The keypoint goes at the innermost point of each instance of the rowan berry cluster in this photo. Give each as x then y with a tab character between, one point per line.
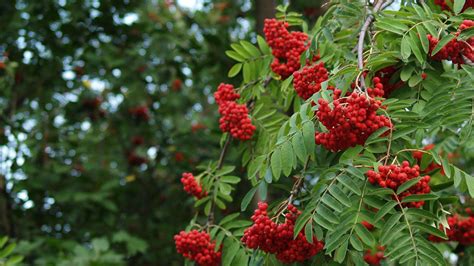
374	258
384	77
287	47
461	229
140	112
275	238
393	176
234	117
350	122
307	81
418	155
191	186
197	246
444	5
458	51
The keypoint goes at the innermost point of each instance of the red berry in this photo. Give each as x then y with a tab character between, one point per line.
197	246
350	122
308	80
234	117
192	187
393	176
461	229
287	47
275	238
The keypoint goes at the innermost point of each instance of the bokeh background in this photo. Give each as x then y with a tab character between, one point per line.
103	105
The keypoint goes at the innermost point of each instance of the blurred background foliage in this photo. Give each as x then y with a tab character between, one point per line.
103	105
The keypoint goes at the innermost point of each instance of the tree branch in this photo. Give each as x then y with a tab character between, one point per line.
360	45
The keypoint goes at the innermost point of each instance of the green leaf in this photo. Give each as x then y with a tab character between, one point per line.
308	231
262	190
299	147
429	229
287	158
387	207
229	251
405	47
406	72
340	254
275	163
350	154
247	198
356	244
7	250
364	234
308	134
331	202
458	6
3	241
229	218
14	260
340	196
241	258
348	183
414	80
442	43
325	212
230	179
421	213
234	55
250	48
408	184
235	70
301	222
425	44
420	197
263	45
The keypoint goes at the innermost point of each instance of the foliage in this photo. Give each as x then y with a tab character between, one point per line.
433	104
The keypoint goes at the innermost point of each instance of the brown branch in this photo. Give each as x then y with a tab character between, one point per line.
360	45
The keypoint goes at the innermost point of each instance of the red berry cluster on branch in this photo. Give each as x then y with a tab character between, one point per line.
393	176
384	76
308	80
275	238
458	51
418	155
192	187
374	258
287	47
461	229
234	117
444	5
140	112
197	246
350	122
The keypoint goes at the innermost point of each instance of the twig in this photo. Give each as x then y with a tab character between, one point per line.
223	152
220	163
363	31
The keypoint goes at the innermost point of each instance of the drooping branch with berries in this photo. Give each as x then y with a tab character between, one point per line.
354	148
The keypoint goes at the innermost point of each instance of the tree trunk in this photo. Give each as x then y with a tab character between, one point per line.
264	9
